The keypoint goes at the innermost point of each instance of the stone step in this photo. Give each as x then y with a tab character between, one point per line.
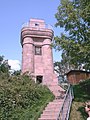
56	88
50	117
50	82
58	101
52	109
55	81
58	96
55	102
47	118
53	105
56	92
53	84
49	112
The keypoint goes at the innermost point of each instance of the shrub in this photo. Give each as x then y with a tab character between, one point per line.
21	98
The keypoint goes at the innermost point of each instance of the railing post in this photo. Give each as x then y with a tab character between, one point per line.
67	100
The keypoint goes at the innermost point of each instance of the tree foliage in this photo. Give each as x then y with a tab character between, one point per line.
74	17
63	66
4	66
17	72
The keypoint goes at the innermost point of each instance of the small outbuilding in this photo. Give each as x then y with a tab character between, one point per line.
75	76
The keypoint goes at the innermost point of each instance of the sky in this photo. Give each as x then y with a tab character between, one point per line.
13	14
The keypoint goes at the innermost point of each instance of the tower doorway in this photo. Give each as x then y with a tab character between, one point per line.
39	79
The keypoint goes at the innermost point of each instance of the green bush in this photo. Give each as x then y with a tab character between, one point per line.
21	98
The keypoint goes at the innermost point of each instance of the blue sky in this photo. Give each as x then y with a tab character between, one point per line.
13	13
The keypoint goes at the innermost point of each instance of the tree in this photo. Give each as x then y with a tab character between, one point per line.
74	17
63	66
17	72
4	67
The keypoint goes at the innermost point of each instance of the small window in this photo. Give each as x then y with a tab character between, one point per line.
38	50
36	24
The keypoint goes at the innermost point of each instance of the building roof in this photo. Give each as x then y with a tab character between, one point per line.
76	71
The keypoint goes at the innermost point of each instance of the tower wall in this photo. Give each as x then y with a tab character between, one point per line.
27	55
47	60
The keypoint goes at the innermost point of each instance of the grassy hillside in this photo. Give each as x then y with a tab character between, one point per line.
82	94
21	98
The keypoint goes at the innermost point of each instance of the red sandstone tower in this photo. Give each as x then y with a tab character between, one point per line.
37	56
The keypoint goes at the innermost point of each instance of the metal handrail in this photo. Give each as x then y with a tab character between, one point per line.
69	92
70	102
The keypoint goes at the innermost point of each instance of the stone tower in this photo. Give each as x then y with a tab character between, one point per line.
37	58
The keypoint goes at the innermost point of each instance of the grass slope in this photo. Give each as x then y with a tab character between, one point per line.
21	98
81	94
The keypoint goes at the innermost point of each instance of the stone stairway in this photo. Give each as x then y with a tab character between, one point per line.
58	92
53	108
